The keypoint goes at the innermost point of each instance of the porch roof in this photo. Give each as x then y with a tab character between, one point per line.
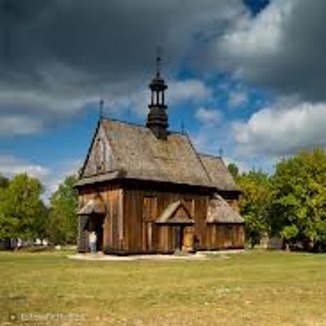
92	207
176	213
219	211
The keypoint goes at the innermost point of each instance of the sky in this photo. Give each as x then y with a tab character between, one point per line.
246	78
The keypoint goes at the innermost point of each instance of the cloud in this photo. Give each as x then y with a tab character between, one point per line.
19	125
282	49
282	129
237	99
51	178
209	118
188	90
56	55
11	165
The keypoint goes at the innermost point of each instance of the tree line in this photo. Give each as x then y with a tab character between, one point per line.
290	203
25	216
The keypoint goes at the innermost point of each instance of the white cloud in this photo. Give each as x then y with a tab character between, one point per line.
282	48
282	129
209	117
188	90
19	125
237	99
51	178
64	168
11	165
27	112
257	36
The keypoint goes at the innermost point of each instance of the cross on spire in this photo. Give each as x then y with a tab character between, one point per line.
158	60
101	108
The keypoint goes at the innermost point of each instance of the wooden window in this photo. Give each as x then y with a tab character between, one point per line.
99	155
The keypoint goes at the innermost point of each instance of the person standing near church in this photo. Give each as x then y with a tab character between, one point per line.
92	242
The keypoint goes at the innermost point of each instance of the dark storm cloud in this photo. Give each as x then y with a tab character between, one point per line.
55	52
94	41
283	49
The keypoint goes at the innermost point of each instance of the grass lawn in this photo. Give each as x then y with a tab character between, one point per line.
250	288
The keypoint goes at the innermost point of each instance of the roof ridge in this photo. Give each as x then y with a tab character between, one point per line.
134	124
210	155
124	122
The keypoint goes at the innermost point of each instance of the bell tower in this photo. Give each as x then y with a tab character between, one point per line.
157	119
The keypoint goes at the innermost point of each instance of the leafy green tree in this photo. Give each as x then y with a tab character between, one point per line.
4	182
22	212
300	199
62	218
255	204
234	170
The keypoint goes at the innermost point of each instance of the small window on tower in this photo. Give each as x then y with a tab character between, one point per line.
99	155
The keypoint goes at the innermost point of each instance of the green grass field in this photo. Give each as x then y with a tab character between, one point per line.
251	288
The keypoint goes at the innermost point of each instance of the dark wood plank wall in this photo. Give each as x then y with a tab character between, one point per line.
224	236
129	225
141	234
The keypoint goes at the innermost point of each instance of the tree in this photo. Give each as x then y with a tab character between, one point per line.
300	199
234	170
22	212
4	182
62	218
255	204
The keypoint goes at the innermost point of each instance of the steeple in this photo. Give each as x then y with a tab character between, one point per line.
157	119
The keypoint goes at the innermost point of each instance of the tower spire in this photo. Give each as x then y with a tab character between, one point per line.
157	119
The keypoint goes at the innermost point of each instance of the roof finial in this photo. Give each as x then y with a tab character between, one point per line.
101	108
221	151
182	127
158	60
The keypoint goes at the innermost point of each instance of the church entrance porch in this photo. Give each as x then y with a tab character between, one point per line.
91	219
96	224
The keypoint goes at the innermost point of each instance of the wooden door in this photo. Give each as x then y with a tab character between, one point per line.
178	237
188	239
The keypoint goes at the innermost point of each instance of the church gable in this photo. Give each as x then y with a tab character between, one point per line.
100	157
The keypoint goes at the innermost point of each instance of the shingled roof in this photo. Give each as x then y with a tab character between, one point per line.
138	154
218	172
219	211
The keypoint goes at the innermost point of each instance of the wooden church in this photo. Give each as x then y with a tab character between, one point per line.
145	189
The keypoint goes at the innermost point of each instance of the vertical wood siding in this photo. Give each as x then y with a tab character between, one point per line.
142	234
129	225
